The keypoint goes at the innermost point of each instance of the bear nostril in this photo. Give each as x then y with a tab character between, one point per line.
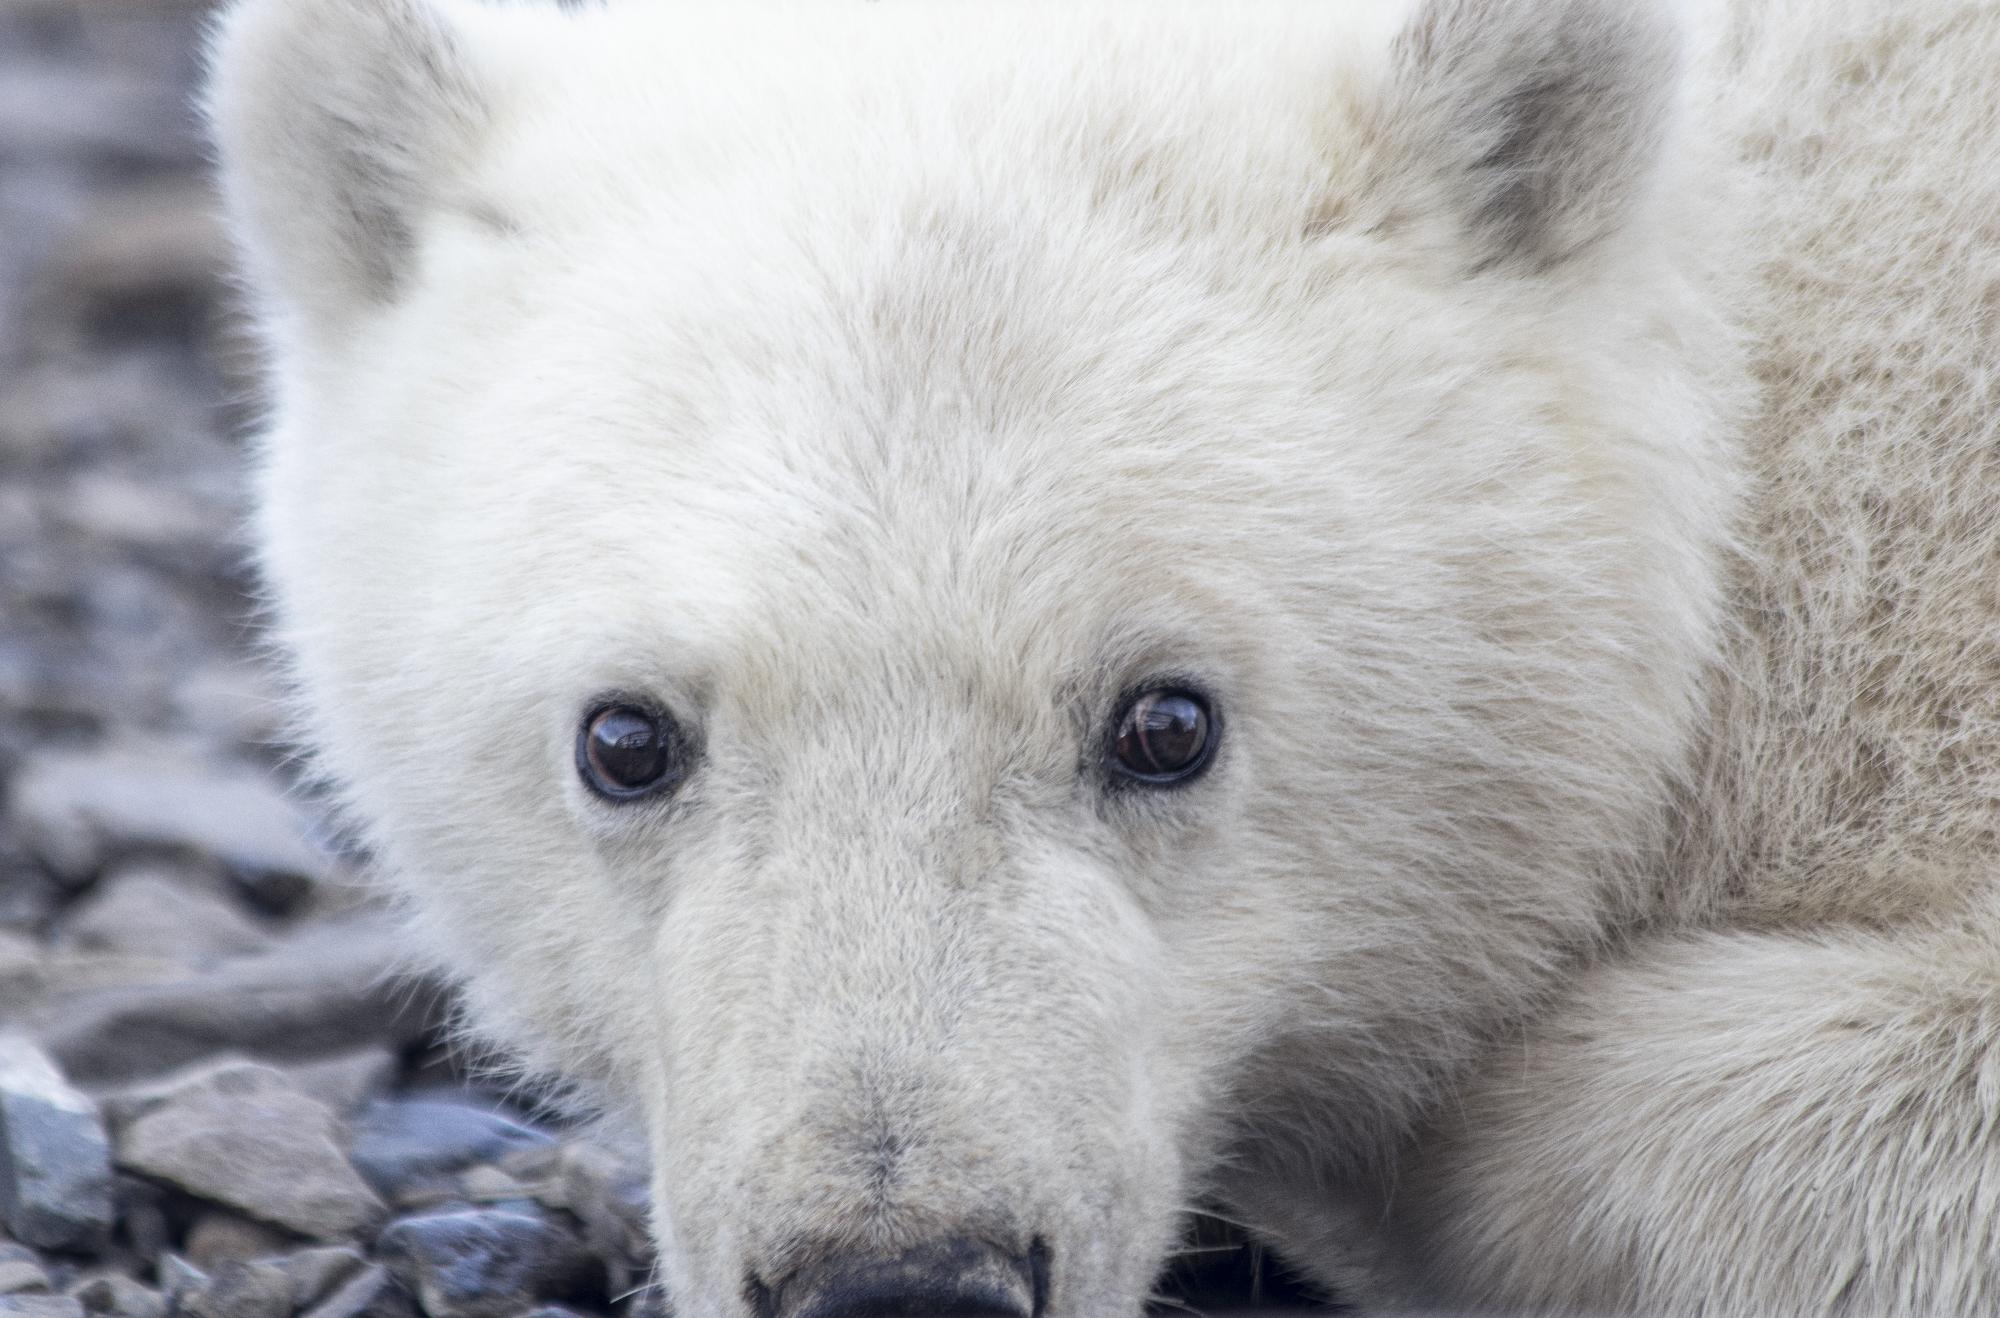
954	1279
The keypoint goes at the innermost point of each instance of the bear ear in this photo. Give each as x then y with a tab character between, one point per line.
339	124
1542	118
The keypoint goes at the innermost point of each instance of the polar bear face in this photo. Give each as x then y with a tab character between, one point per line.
985	617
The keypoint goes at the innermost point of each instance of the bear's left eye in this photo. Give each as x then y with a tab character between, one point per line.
623	752
1163	736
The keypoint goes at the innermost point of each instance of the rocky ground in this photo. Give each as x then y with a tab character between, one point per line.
217	1096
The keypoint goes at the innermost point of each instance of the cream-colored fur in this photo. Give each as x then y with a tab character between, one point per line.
1559	436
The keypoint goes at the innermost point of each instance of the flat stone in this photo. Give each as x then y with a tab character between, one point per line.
370	1293
37	981
143	910
487	1263
218	1237
317	1273
114	1295
21	1272
40	1306
76	809
331	988
490	1185
400	1144
145	241
239	1290
345	1081
231	699
243	1137
55	1163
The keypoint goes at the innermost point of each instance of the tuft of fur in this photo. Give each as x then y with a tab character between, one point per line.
1560	437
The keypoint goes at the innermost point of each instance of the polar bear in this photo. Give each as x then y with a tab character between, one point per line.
1000	620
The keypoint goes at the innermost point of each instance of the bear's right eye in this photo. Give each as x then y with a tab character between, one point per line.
624	752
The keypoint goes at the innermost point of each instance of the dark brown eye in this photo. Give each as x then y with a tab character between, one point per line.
623	751
1164	736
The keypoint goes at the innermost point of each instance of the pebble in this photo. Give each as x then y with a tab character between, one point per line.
113	1295
55	1163
240	1135
238	1290
20	1270
75	809
330	988
143	1218
40	1306
28	893
370	1293
38	982
344	1081
412	1143
149	909
317	1273
487	1263
218	1237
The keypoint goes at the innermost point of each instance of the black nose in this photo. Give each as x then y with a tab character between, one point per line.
954	1279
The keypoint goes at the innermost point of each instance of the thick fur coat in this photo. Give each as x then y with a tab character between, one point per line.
1559	440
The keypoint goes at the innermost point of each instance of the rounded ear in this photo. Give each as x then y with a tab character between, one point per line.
1542	118
339	124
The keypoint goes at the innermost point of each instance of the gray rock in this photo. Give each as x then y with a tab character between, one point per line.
142	910
40	1306
330	988
29	895
400	1144
370	1293
217	1238
114	1295
37	981
484	1263
234	700
243	1137
610	1195
239	1290
178	1277
55	1162
143	1219
151	241
21	1272
317	1273
344	1081
76	809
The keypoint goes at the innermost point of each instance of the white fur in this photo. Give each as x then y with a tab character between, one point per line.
1561	435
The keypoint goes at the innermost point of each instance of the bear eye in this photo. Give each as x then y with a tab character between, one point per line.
623	751
1165	735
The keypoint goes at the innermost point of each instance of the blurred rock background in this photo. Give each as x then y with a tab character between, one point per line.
218	1095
